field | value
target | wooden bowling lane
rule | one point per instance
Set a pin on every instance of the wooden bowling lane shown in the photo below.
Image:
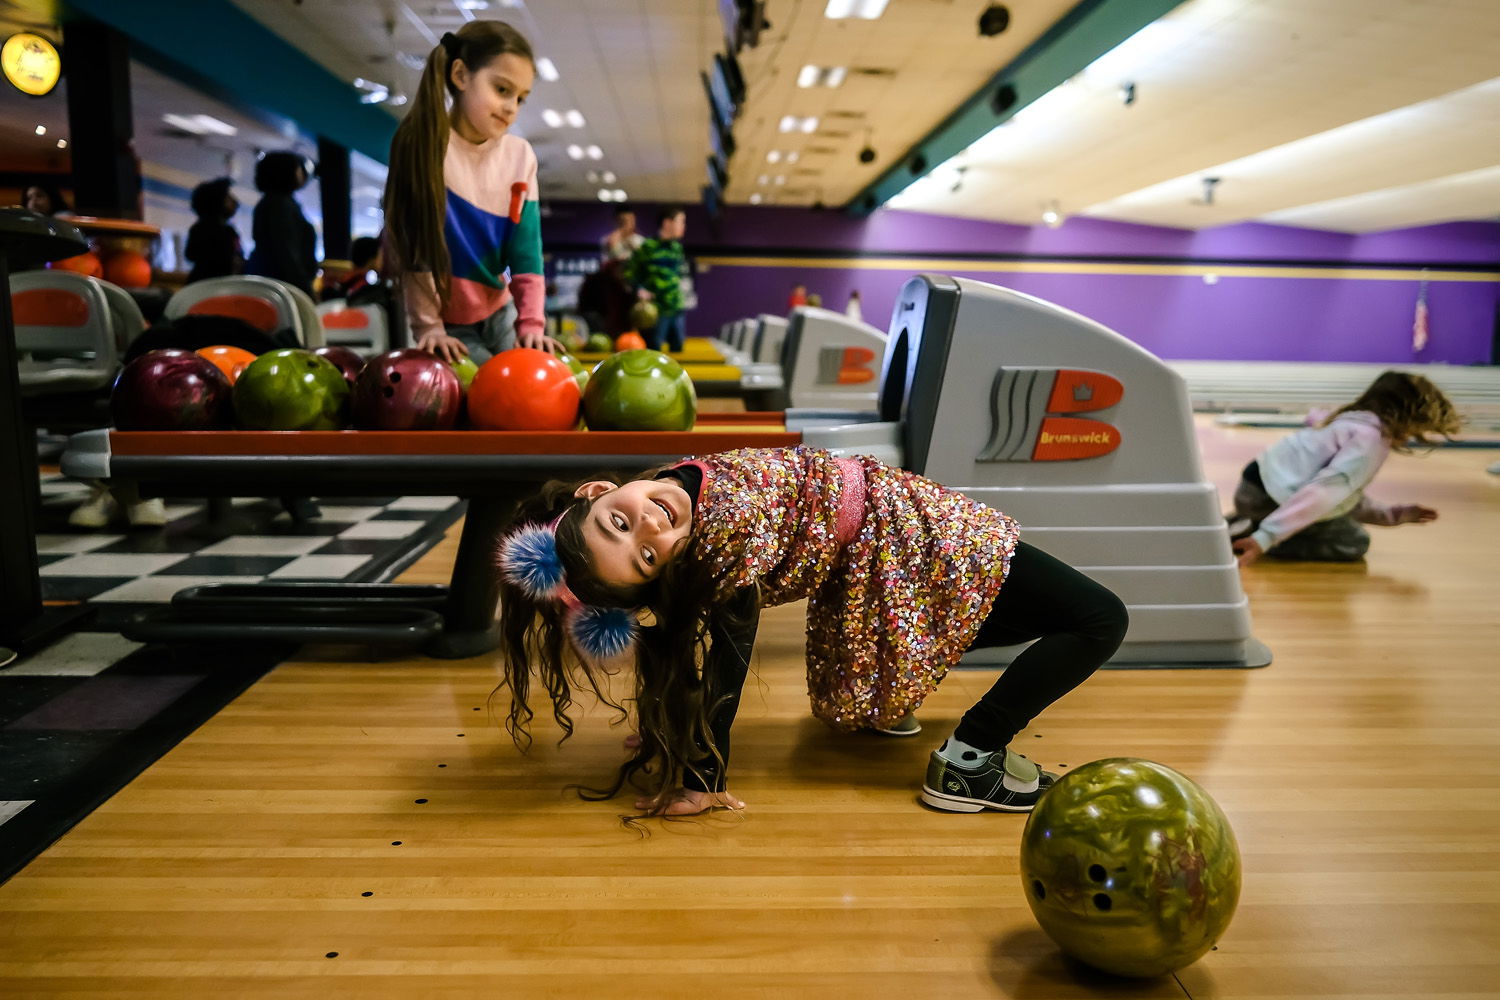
(1360, 770)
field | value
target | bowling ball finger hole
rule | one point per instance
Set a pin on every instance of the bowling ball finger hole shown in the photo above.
(1102, 902)
(1038, 888)
(395, 376)
(387, 392)
(1097, 873)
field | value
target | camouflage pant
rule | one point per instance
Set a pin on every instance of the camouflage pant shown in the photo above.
(1338, 539)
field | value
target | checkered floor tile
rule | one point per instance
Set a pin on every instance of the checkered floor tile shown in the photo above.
(256, 540)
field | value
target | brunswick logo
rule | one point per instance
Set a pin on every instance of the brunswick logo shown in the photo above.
(1025, 423)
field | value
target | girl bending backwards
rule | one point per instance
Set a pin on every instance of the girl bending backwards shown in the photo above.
(1303, 498)
(901, 577)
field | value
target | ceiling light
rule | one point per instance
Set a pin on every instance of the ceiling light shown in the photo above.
(62, 144)
(774, 156)
(812, 76)
(609, 177)
(834, 76)
(546, 69)
(809, 75)
(755, 199)
(619, 195)
(763, 180)
(869, 10)
(780, 178)
(791, 123)
(552, 118)
(793, 156)
(474, 4)
(605, 194)
(41, 130)
(200, 124)
(575, 152)
(809, 125)
(575, 118)
(398, 99)
(1052, 215)
(788, 123)
(595, 153)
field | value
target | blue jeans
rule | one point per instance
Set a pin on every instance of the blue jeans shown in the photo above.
(489, 336)
(671, 328)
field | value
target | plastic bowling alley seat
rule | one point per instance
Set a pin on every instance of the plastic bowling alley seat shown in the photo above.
(364, 329)
(70, 331)
(265, 303)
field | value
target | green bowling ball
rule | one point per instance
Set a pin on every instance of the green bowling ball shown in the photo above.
(644, 316)
(579, 369)
(291, 390)
(639, 391)
(599, 343)
(1130, 867)
(465, 369)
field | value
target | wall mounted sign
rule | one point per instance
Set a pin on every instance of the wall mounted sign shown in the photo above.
(31, 64)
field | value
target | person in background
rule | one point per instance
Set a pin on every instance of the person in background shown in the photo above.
(853, 309)
(44, 198)
(285, 242)
(797, 298)
(1303, 498)
(656, 270)
(213, 244)
(463, 219)
(623, 241)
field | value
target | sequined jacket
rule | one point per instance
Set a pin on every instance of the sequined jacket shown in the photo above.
(890, 609)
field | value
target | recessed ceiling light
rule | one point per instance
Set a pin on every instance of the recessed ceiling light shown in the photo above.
(619, 195)
(788, 123)
(62, 144)
(812, 76)
(763, 180)
(793, 156)
(41, 130)
(869, 10)
(595, 153)
(755, 199)
(609, 177)
(780, 178)
(575, 118)
(474, 4)
(546, 69)
(200, 124)
(606, 195)
(809, 75)
(552, 118)
(809, 124)
(774, 156)
(575, 151)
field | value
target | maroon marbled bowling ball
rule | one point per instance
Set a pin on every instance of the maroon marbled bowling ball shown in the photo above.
(344, 359)
(407, 390)
(170, 390)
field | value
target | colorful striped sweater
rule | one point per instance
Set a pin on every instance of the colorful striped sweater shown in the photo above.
(492, 225)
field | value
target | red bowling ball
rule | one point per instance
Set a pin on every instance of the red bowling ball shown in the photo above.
(344, 359)
(407, 390)
(524, 390)
(170, 390)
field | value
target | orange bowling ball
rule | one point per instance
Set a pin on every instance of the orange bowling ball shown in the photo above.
(631, 341)
(229, 360)
(127, 269)
(87, 264)
(524, 390)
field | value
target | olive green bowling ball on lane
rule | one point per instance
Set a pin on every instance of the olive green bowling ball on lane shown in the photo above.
(1130, 867)
(599, 343)
(639, 391)
(291, 390)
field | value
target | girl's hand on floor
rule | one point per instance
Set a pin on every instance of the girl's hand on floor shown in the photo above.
(450, 349)
(1415, 513)
(1248, 550)
(687, 802)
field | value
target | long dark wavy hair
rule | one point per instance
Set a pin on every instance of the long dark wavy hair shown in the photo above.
(669, 698)
(1409, 407)
(415, 196)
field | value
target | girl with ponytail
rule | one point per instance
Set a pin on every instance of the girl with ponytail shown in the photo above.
(461, 200)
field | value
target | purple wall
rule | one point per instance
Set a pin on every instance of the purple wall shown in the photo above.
(1174, 316)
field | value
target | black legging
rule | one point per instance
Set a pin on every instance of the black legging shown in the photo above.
(1077, 625)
